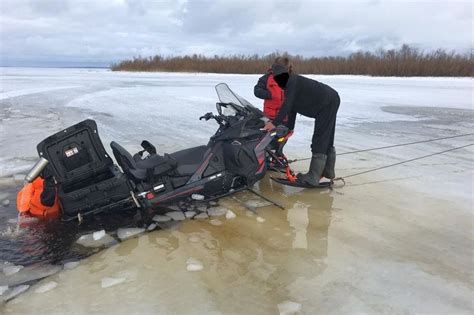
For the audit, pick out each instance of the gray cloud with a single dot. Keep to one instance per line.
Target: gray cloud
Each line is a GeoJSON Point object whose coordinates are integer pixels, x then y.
{"type": "Point", "coordinates": [104, 31]}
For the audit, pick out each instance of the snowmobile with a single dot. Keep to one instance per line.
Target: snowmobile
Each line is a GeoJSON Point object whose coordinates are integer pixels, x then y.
{"type": "Point", "coordinates": [89, 182]}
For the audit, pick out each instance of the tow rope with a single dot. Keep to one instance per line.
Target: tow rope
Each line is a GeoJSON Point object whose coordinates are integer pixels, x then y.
{"type": "Point", "coordinates": [390, 146]}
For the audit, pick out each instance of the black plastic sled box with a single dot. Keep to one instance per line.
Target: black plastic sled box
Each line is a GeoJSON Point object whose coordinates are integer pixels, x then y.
{"type": "Point", "coordinates": [88, 180]}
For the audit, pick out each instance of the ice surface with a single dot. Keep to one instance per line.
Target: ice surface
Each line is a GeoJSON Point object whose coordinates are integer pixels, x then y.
{"type": "Point", "coordinates": [229, 215]}
{"type": "Point", "coordinates": [193, 264]}
{"type": "Point", "coordinates": [109, 282]}
{"type": "Point", "coordinates": [194, 239]}
{"type": "Point", "coordinates": [46, 287]}
{"type": "Point", "coordinates": [126, 233]}
{"type": "Point", "coordinates": [289, 307]}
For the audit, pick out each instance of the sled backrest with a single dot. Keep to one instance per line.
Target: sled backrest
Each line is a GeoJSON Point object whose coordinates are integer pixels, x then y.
{"type": "Point", "coordinates": [76, 154]}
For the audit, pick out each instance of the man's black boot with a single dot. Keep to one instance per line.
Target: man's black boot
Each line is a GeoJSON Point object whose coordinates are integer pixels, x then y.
{"type": "Point", "coordinates": [329, 170]}
{"type": "Point", "coordinates": [318, 161]}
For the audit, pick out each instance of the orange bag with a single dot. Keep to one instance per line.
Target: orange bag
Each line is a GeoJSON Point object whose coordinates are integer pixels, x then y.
{"type": "Point", "coordinates": [29, 200]}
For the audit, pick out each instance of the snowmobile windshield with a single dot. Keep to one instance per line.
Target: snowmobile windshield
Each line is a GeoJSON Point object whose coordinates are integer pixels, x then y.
{"type": "Point", "coordinates": [237, 102]}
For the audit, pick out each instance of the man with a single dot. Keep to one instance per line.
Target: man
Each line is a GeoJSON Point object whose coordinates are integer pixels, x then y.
{"type": "Point", "coordinates": [316, 100]}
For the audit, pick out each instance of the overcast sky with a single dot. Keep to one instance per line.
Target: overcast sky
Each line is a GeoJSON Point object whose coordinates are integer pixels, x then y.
{"type": "Point", "coordinates": [98, 32]}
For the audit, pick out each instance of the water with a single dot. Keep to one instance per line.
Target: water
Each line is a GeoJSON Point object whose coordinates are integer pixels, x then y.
{"type": "Point", "coordinates": [394, 241]}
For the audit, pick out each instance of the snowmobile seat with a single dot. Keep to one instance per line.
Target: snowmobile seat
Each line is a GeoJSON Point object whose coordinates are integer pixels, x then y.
{"type": "Point", "coordinates": [189, 160]}
{"type": "Point", "coordinates": [142, 170]}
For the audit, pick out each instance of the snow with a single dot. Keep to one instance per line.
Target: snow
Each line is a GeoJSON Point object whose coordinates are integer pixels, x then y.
{"type": "Point", "coordinates": [289, 307]}
{"type": "Point", "coordinates": [176, 215]}
{"type": "Point", "coordinates": [71, 265]}
{"type": "Point", "coordinates": [10, 270]}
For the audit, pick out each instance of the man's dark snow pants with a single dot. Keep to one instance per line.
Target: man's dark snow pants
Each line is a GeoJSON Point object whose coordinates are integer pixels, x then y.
{"type": "Point", "coordinates": [325, 125]}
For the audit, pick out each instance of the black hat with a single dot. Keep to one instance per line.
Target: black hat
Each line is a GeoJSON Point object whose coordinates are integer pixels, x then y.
{"type": "Point", "coordinates": [278, 69]}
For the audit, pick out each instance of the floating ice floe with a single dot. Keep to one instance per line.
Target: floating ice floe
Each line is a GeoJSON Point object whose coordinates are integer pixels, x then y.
{"type": "Point", "coordinates": [126, 233]}
{"type": "Point", "coordinates": [201, 216]}
{"type": "Point", "coordinates": [216, 211]}
{"type": "Point", "coordinates": [161, 218]}
{"type": "Point", "coordinates": [98, 235]}
{"type": "Point", "coordinates": [108, 282]}
{"type": "Point", "coordinates": [176, 215]}
{"type": "Point", "coordinates": [215, 222]}
{"type": "Point", "coordinates": [229, 215]}
{"type": "Point", "coordinates": [193, 264]}
{"type": "Point", "coordinates": [3, 289]}
{"type": "Point", "coordinates": [71, 265]}
{"type": "Point", "coordinates": [30, 273]}
{"type": "Point", "coordinates": [46, 287]}
{"type": "Point", "coordinates": [189, 214]}
{"type": "Point", "coordinates": [14, 292]}
{"type": "Point", "coordinates": [260, 220]}
{"type": "Point", "coordinates": [96, 240]}
{"type": "Point", "coordinates": [289, 307]}
{"type": "Point", "coordinates": [11, 269]}
{"type": "Point", "coordinates": [151, 227]}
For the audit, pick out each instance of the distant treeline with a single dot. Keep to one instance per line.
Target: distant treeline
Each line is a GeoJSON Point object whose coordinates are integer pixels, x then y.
{"type": "Point", "coordinates": [406, 61]}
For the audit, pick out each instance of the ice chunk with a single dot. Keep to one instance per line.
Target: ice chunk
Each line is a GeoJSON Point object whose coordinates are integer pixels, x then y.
{"type": "Point", "coordinates": [108, 282]}
{"type": "Point", "coordinates": [201, 208]}
{"type": "Point", "coordinates": [201, 216]}
{"type": "Point", "coordinates": [215, 222]}
{"type": "Point", "coordinates": [14, 292]}
{"type": "Point", "coordinates": [174, 208]}
{"type": "Point", "coordinates": [176, 215]}
{"type": "Point", "coordinates": [46, 287]}
{"type": "Point", "coordinates": [88, 240]}
{"type": "Point", "coordinates": [126, 233]}
{"type": "Point", "coordinates": [3, 289]}
{"type": "Point", "coordinates": [260, 220]}
{"type": "Point", "coordinates": [5, 202]}
{"type": "Point", "coordinates": [289, 307]}
{"type": "Point", "coordinates": [257, 203]}
{"type": "Point", "coordinates": [71, 265]}
{"type": "Point", "coordinates": [151, 227]}
{"type": "Point", "coordinates": [193, 264]}
{"type": "Point", "coordinates": [98, 235]}
{"type": "Point", "coordinates": [189, 214]}
{"type": "Point", "coordinates": [229, 215]}
{"type": "Point", "coordinates": [30, 273]}
{"type": "Point", "coordinates": [213, 203]}
{"type": "Point", "coordinates": [216, 211]}
{"type": "Point", "coordinates": [11, 269]}
{"type": "Point", "coordinates": [161, 218]}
